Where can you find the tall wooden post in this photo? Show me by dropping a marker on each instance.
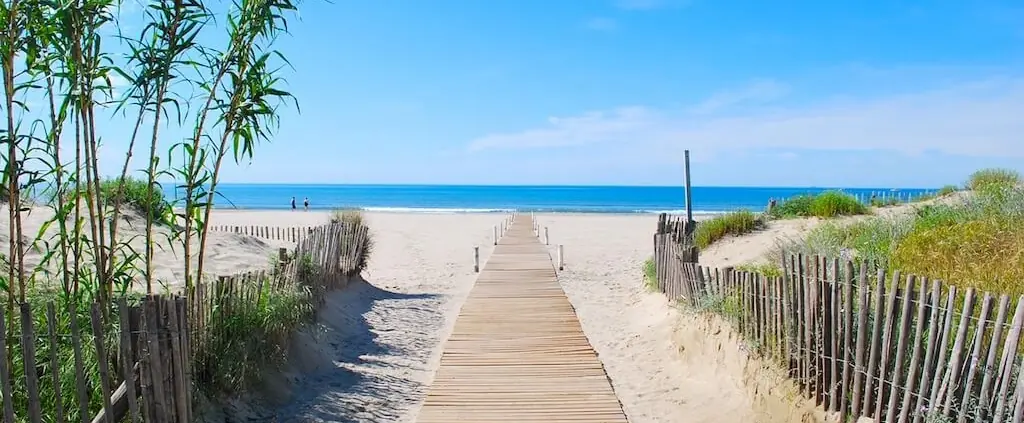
(689, 192)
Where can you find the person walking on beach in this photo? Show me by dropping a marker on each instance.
(293, 203)
(305, 203)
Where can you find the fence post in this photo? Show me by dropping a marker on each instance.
(494, 230)
(547, 239)
(561, 258)
(476, 259)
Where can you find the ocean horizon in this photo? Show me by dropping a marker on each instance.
(524, 198)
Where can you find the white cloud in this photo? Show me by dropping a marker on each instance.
(602, 24)
(980, 118)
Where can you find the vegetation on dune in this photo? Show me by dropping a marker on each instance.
(351, 216)
(357, 218)
(986, 178)
(977, 242)
(825, 205)
(947, 190)
(255, 337)
(650, 274)
(225, 94)
(732, 223)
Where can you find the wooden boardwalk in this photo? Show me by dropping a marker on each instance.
(518, 353)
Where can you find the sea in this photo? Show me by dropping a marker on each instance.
(482, 199)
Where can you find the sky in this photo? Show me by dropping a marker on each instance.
(865, 93)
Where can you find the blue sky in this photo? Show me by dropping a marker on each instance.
(788, 93)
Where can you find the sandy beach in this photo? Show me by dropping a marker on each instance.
(378, 342)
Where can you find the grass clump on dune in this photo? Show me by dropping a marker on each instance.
(826, 204)
(357, 218)
(993, 177)
(946, 190)
(348, 216)
(650, 274)
(732, 223)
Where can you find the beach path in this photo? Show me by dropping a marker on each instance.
(518, 352)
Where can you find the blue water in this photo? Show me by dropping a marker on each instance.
(465, 198)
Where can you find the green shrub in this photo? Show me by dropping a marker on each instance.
(826, 204)
(732, 223)
(836, 203)
(134, 194)
(797, 206)
(989, 177)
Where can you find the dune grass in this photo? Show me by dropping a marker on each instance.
(978, 242)
(993, 177)
(825, 205)
(650, 274)
(732, 223)
(357, 218)
(353, 216)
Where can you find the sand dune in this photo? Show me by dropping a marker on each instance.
(226, 253)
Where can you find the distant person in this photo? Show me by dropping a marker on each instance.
(293, 203)
(305, 203)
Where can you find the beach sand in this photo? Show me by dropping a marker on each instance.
(666, 365)
(378, 343)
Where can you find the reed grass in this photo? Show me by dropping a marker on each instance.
(59, 55)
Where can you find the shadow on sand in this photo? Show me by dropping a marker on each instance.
(360, 362)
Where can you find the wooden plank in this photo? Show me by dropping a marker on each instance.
(28, 355)
(903, 337)
(51, 329)
(864, 306)
(101, 354)
(984, 399)
(518, 353)
(127, 361)
(6, 388)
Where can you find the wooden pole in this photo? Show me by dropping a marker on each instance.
(547, 239)
(689, 193)
(561, 258)
(476, 259)
(494, 230)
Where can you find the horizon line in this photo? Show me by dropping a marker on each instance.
(566, 185)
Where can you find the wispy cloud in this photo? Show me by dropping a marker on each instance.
(973, 118)
(602, 24)
(758, 91)
(649, 4)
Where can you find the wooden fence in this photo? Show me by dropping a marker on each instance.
(63, 377)
(863, 342)
(278, 233)
(64, 362)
